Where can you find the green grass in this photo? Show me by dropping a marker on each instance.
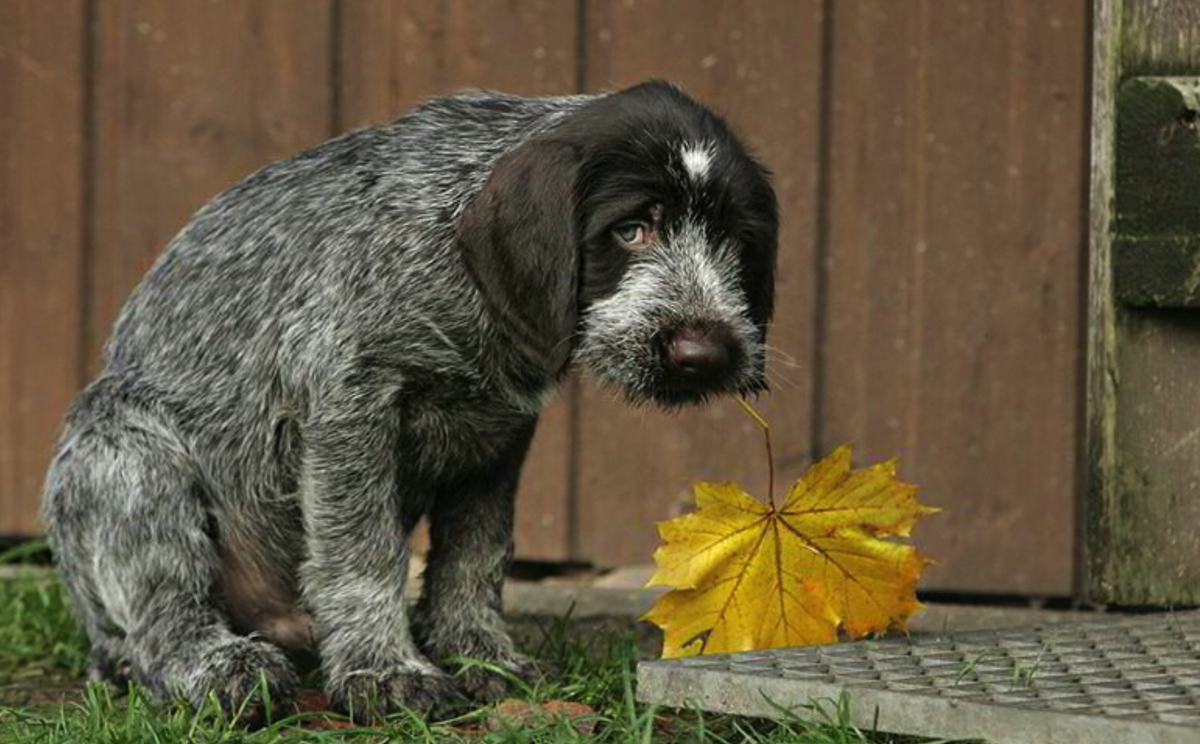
(44, 701)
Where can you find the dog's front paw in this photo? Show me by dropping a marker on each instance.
(488, 680)
(485, 666)
(250, 680)
(368, 695)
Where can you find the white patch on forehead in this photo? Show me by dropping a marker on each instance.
(697, 158)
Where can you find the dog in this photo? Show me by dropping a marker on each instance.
(362, 336)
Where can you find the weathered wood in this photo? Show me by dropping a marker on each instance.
(1157, 271)
(393, 55)
(1156, 244)
(1159, 37)
(1158, 157)
(950, 336)
(1143, 489)
(759, 63)
(189, 98)
(41, 240)
(1155, 548)
(1096, 573)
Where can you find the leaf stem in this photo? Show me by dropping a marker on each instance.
(758, 419)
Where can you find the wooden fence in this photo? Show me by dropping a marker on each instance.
(929, 157)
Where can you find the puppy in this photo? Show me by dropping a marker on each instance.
(362, 335)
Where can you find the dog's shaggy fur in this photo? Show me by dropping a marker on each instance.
(362, 335)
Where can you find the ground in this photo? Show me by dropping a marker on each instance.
(590, 697)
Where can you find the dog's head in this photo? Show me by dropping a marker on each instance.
(637, 239)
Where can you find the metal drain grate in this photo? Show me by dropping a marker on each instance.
(1119, 680)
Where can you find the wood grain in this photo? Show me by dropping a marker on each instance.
(1154, 554)
(1096, 572)
(393, 55)
(41, 241)
(1159, 37)
(758, 63)
(952, 326)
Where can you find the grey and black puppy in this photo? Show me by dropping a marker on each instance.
(363, 335)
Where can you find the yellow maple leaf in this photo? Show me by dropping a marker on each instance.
(745, 575)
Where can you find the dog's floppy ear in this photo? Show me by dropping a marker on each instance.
(519, 239)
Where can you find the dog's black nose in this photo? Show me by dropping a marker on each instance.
(698, 355)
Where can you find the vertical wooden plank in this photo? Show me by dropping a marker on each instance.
(876, 236)
(1143, 493)
(759, 64)
(41, 241)
(1100, 440)
(395, 54)
(1152, 551)
(954, 255)
(190, 97)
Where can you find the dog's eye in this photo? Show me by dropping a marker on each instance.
(634, 234)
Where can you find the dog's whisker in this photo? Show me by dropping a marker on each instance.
(778, 355)
(779, 380)
(779, 370)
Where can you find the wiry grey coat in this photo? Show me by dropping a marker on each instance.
(362, 335)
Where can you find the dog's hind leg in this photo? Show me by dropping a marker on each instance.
(459, 614)
(133, 539)
(107, 660)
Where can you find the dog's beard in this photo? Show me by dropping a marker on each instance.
(626, 357)
(642, 386)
